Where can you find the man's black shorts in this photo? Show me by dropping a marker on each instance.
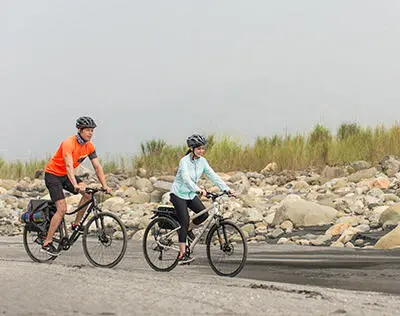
(56, 185)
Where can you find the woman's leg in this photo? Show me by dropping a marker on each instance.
(196, 205)
(183, 218)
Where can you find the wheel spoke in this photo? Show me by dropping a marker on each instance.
(226, 249)
(159, 244)
(101, 244)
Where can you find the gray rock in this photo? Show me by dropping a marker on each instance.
(303, 213)
(129, 192)
(332, 172)
(140, 198)
(270, 168)
(390, 165)
(144, 185)
(391, 216)
(362, 174)
(166, 199)
(359, 242)
(163, 186)
(252, 215)
(142, 172)
(241, 186)
(360, 165)
(156, 196)
(363, 228)
(166, 178)
(278, 232)
(249, 230)
(322, 240)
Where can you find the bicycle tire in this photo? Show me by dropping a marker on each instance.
(228, 248)
(33, 243)
(159, 251)
(104, 239)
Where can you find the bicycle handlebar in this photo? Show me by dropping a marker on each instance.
(95, 190)
(214, 196)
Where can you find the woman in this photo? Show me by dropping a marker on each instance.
(184, 191)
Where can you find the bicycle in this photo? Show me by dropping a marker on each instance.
(225, 242)
(103, 234)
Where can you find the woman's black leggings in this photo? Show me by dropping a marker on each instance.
(182, 213)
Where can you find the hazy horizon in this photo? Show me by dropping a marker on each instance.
(164, 70)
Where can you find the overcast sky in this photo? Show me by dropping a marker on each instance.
(165, 69)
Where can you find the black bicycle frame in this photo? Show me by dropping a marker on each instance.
(74, 236)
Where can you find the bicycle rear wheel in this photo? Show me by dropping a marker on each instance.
(161, 244)
(226, 249)
(104, 240)
(33, 241)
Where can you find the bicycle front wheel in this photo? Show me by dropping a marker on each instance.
(161, 244)
(104, 240)
(33, 241)
(226, 249)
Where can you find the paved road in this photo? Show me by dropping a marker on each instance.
(352, 269)
(132, 287)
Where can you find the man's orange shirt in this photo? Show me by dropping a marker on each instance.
(79, 152)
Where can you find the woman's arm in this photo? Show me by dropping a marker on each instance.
(210, 173)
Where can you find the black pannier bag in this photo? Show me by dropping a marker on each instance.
(167, 211)
(38, 215)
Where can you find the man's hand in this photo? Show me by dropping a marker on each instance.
(80, 188)
(108, 189)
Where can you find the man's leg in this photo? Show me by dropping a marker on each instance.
(56, 220)
(85, 198)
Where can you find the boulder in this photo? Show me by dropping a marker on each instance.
(332, 172)
(380, 183)
(156, 196)
(360, 165)
(142, 172)
(162, 186)
(337, 229)
(287, 226)
(362, 174)
(303, 213)
(252, 215)
(270, 168)
(391, 216)
(390, 165)
(113, 200)
(249, 230)
(390, 240)
(144, 185)
(276, 233)
(140, 198)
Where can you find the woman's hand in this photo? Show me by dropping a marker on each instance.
(231, 193)
(202, 192)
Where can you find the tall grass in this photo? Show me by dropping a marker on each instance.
(19, 169)
(297, 152)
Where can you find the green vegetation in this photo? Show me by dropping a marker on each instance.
(19, 169)
(316, 149)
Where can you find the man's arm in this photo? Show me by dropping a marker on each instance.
(100, 174)
(69, 165)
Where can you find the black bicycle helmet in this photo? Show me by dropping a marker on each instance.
(196, 140)
(85, 122)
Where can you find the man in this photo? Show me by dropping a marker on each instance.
(60, 174)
